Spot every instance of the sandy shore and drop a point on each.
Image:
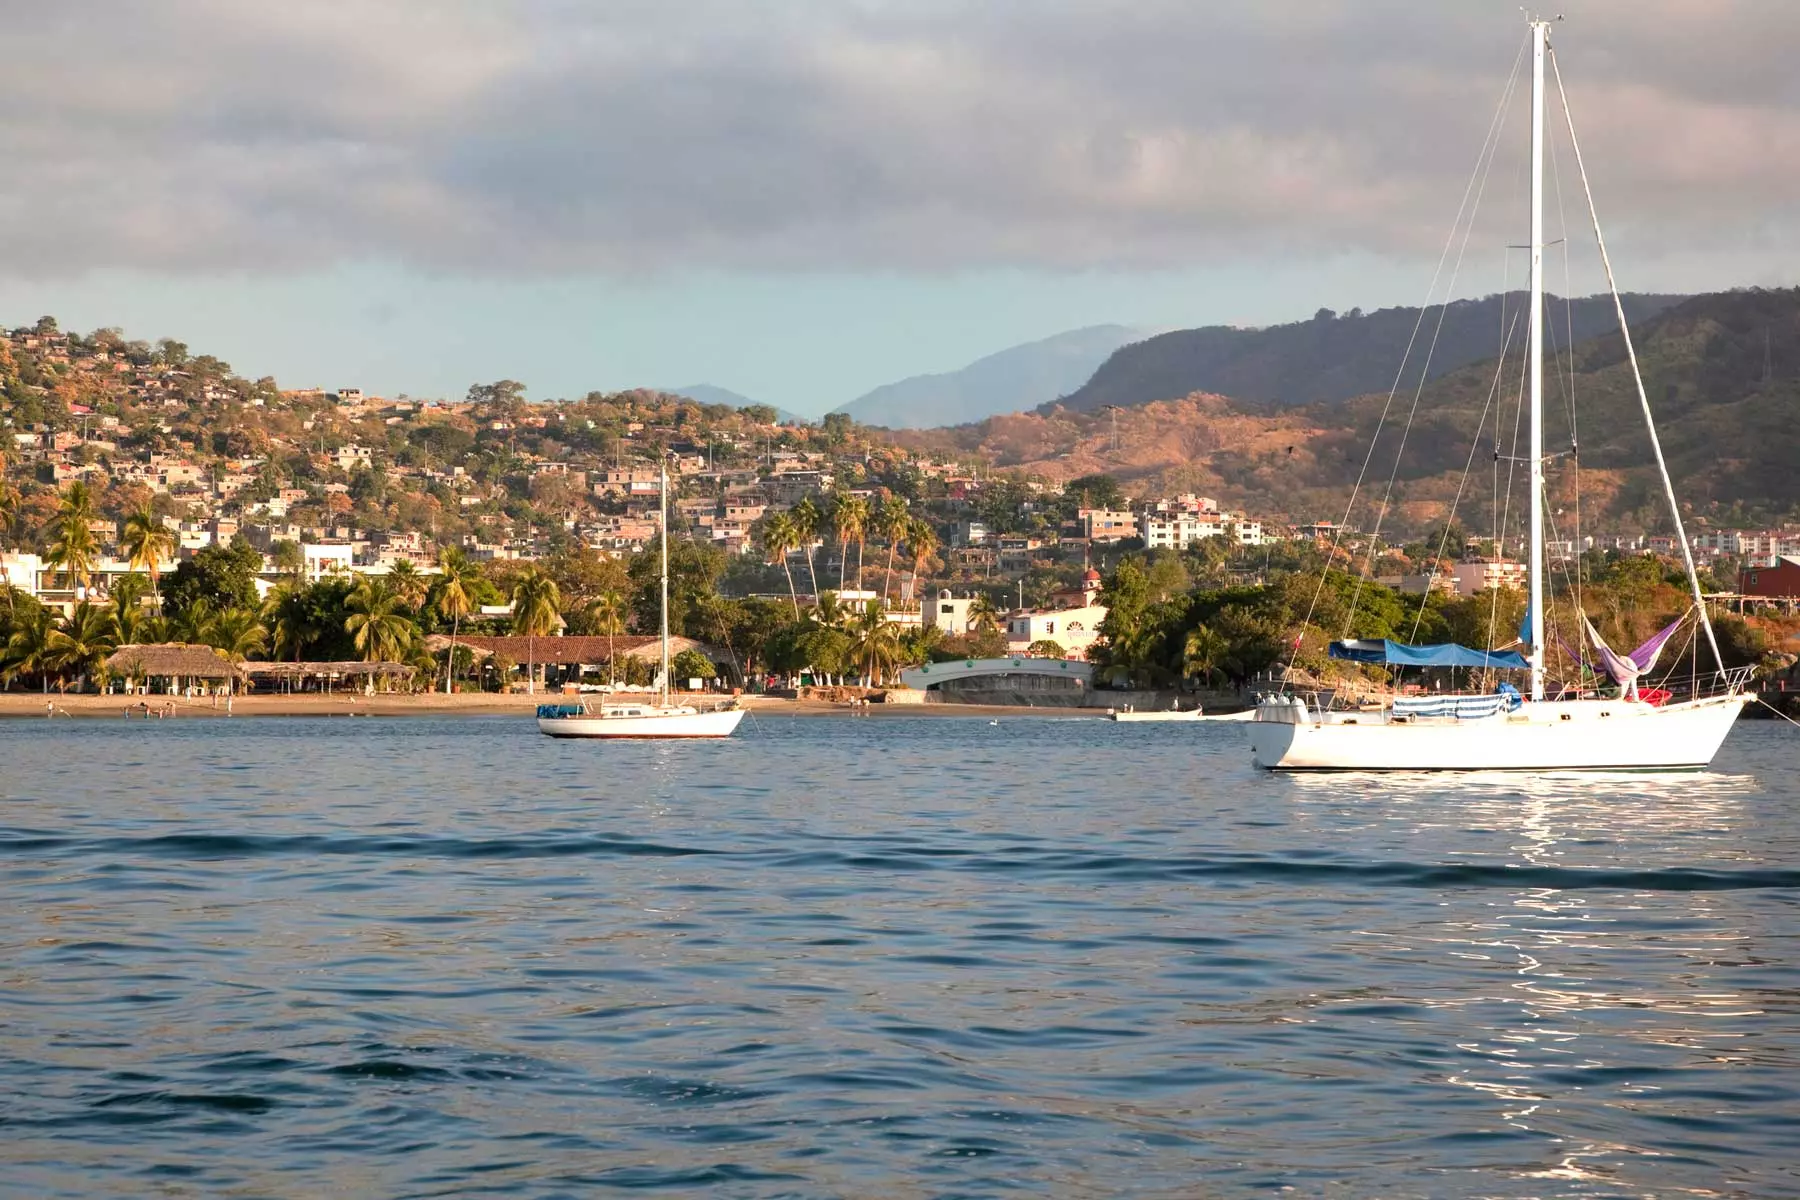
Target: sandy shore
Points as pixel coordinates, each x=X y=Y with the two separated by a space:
x=34 y=705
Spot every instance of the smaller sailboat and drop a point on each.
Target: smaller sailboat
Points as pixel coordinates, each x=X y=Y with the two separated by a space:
x=642 y=718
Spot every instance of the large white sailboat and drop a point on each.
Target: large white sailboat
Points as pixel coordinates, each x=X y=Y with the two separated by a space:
x=1507 y=731
x=616 y=718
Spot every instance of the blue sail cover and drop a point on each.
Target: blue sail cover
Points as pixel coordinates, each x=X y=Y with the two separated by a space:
x=1383 y=652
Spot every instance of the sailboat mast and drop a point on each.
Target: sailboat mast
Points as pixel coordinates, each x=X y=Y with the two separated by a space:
x=664 y=526
x=1540 y=32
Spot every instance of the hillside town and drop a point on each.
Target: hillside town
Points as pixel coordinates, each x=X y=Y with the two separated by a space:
x=304 y=485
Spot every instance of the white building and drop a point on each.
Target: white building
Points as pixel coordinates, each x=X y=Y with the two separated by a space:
x=1179 y=530
x=949 y=613
x=1473 y=578
x=1074 y=629
x=325 y=558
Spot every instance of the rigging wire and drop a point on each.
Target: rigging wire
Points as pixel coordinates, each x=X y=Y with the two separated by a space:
x=1477 y=176
x=1444 y=540
x=1495 y=124
x=1687 y=552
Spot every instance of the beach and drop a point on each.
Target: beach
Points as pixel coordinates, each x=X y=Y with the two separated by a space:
x=37 y=705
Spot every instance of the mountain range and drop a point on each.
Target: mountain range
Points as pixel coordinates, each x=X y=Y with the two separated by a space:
x=1011 y=380
x=1722 y=372
x=1331 y=357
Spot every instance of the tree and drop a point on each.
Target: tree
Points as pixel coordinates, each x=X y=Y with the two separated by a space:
x=456 y=580
x=923 y=540
x=1201 y=653
x=875 y=642
x=893 y=521
x=28 y=647
x=73 y=549
x=983 y=614
x=405 y=581
x=606 y=615
x=238 y=634
x=850 y=521
x=288 y=558
x=535 y=612
x=807 y=519
x=222 y=576
x=127 y=608
x=1046 y=648
x=779 y=539
x=148 y=544
x=1095 y=491
x=87 y=635
x=379 y=631
x=691 y=664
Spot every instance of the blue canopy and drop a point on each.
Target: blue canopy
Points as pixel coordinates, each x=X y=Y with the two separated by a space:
x=1381 y=651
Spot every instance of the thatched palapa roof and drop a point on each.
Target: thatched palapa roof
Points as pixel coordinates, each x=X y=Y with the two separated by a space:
x=171 y=660
x=315 y=670
x=570 y=651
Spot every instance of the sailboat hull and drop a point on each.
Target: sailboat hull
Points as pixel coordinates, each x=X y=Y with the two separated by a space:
x=683 y=724
x=1577 y=735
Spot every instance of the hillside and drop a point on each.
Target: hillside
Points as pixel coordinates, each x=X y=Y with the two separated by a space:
x=706 y=393
x=1009 y=381
x=1329 y=358
x=1723 y=372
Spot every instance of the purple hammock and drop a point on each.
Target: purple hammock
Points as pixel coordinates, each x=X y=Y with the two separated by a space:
x=1625 y=669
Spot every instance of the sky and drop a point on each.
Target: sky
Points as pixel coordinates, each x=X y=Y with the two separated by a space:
x=803 y=199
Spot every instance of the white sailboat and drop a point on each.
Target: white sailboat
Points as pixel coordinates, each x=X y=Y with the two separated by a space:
x=1507 y=732
x=643 y=719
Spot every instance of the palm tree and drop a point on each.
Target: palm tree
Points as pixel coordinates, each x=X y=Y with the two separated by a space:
x=1201 y=653
x=290 y=622
x=456 y=578
x=829 y=612
x=9 y=504
x=405 y=581
x=779 y=539
x=982 y=612
x=237 y=633
x=535 y=613
x=128 y=613
x=892 y=521
x=73 y=548
x=148 y=544
x=195 y=624
x=849 y=518
x=877 y=642
x=606 y=613
x=380 y=632
x=806 y=518
x=28 y=650
x=86 y=636
x=922 y=539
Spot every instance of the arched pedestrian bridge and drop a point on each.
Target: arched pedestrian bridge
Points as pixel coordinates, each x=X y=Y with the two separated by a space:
x=1019 y=674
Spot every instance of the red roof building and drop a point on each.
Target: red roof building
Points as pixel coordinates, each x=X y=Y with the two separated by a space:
x=1777 y=581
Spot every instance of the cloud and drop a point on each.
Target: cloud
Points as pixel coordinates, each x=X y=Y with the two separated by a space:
x=553 y=137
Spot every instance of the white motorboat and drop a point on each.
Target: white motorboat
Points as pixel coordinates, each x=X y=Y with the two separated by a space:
x=633 y=719
x=1167 y=714
x=1509 y=731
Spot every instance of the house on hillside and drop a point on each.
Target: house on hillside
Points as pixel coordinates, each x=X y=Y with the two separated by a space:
x=1775 y=581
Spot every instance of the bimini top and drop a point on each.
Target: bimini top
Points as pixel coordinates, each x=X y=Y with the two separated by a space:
x=1382 y=651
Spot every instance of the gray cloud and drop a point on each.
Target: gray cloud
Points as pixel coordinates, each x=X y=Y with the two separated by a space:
x=549 y=137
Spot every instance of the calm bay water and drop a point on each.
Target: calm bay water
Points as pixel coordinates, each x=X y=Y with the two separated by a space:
x=881 y=957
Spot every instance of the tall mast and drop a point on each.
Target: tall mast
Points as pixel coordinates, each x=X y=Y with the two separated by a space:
x=1540 y=32
x=664 y=523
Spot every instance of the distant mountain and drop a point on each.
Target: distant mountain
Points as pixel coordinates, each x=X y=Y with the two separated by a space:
x=1722 y=372
x=1010 y=381
x=706 y=393
x=1333 y=358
